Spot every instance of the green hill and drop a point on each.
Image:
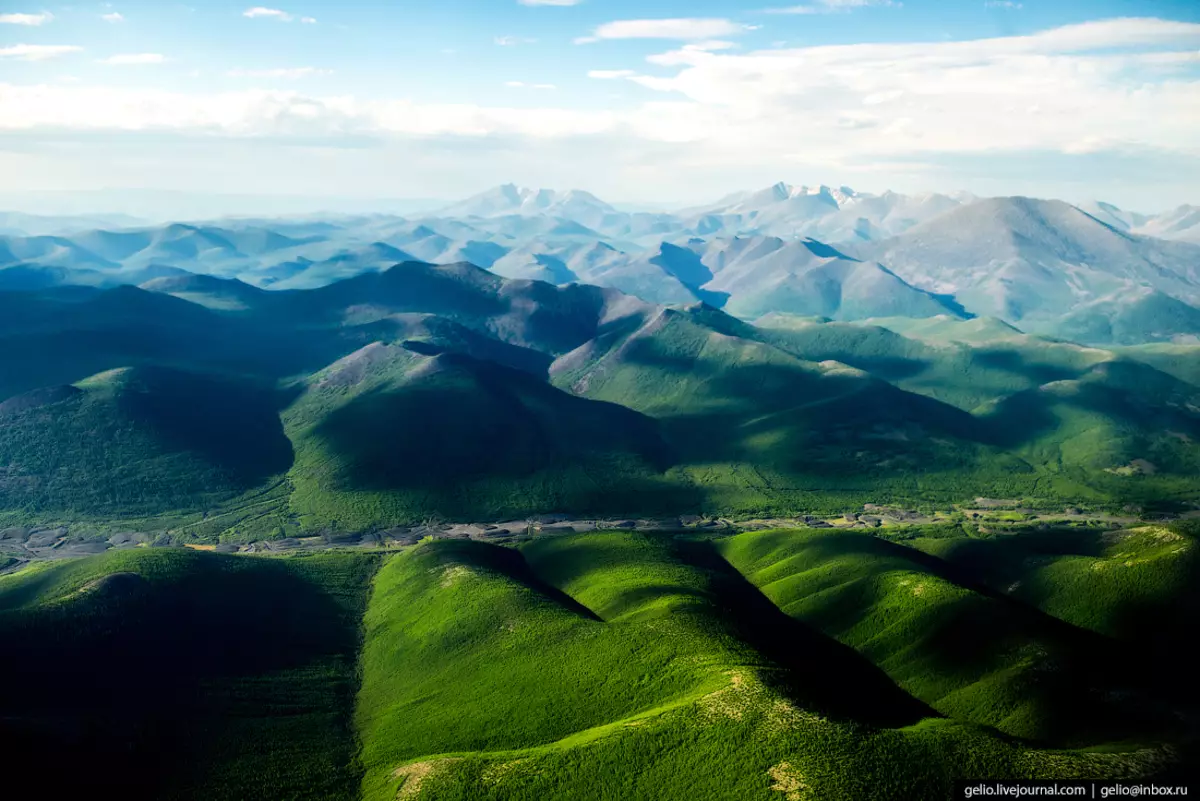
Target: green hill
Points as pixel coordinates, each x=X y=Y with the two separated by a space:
x=613 y=666
x=391 y=434
x=967 y=652
x=170 y=674
x=606 y=665
x=139 y=440
x=701 y=412
x=1136 y=585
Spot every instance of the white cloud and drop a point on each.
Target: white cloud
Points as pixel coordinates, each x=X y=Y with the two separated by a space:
x=510 y=41
x=693 y=28
x=280 y=72
x=267 y=13
x=28 y=52
x=711 y=44
x=1076 y=89
x=833 y=6
x=26 y=19
x=549 y=2
x=133 y=59
x=523 y=85
x=308 y=20
x=1007 y=4
x=609 y=75
x=112 y=17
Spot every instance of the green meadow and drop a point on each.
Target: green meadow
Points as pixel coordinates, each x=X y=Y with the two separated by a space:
x=778 y=664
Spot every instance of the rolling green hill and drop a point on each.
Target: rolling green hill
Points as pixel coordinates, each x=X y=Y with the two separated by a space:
x=172 y=674
x=139 y=440
x=1137 y=585
x=606 y=665
x=723 y=697
x=967 y=652
x=389 y=433
x=699 y=412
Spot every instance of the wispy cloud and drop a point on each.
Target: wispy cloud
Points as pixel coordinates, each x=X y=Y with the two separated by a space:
x=258 y=12
x=610 y=75
x=28 y=52
x=838 y=106
x=26 y=19
x=512 y=41
x=1005 y=4
x=308 y=20
x=112 y=17
x=279 y=72
x=523 y=85
x=689 y=28
x=133 y=59
x=833 y=6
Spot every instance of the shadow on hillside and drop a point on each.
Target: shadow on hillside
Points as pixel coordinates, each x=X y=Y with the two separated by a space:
x=511 y=563
x=820 y=673
x=468 y=419
x=132 y=688
x=1013 y=361
x=1001 y=661
x=233 y=426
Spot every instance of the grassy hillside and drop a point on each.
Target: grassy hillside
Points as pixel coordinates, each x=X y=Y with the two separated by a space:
x=969 y=653
x=607 y=665
x=1137 y=585
x=171 y=674
x=762 y=431
x=1181 y=361
x=440 y=407
x=391 y=434
x=630 y=666
x=138 y=440
x=964 y=363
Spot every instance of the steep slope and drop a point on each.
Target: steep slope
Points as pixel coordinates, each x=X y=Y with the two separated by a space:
x=1120 y=219
x=389 y=434
x=967 y=653
x=306 y=273
x=184 y=675
x=70 y=333
x=1181 y=224
x=140 y=440
x=1132 y=317
x=1137 y=585
x=762 y=275
x=760 y=429
x=631 y=666
x=1029 y=261
x=575 y=205
x=747 y=277
x=831 y=215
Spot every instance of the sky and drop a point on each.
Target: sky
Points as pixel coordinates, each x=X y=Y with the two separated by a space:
x=639 y=101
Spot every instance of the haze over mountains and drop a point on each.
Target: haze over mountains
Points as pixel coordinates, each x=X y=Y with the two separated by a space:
x=1096 y=273
x=297 y=385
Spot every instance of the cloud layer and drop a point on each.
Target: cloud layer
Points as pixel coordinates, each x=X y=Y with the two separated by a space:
x=28 y=52
x=1126 y=86
x=260 y=12
x=689 y=28
x=40 y=18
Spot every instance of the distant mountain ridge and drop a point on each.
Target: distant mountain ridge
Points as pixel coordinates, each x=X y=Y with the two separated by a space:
x=822 y=251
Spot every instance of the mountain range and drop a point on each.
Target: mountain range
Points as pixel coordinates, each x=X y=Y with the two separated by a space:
x=1092 y=273
x=446 y=390
x=507 y=490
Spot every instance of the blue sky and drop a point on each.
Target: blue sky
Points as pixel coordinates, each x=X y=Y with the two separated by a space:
x=654 y=100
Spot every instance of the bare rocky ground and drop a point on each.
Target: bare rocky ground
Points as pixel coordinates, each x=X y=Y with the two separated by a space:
x=30 y=543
